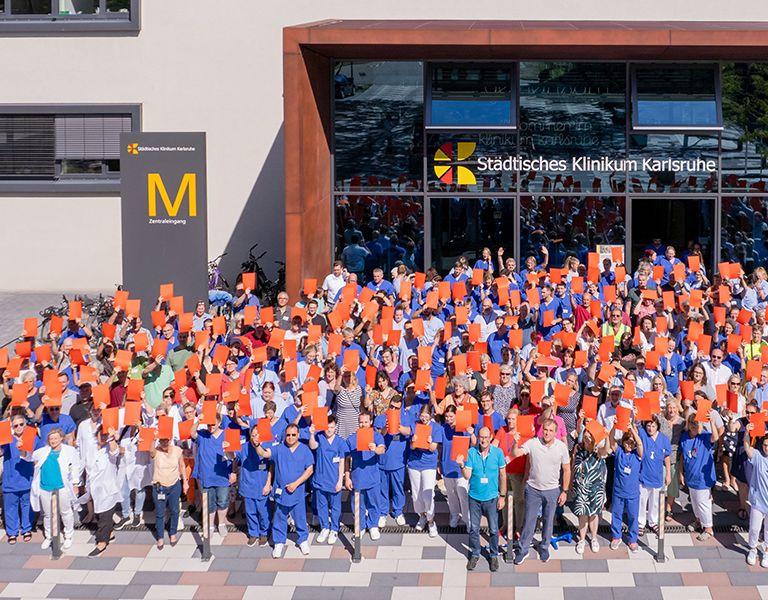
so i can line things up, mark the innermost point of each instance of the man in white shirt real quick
(716, 372)
(333, 282)
(486, 319)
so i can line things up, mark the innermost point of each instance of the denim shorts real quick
(218, 498)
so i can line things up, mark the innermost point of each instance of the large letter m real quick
(188, 185)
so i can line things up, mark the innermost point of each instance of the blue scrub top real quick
(212, 467)
(422, 460)
(65, 423)
(365, 464)
(652, 465)
(448, 466)
(327, 458)
(253, 470)
(626, 476)
(17, 472)
(397, 445)
(698, 463)
(289, 466)
(289, 416)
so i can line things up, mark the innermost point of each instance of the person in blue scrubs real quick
(392, 464)
(362, 474)
(456, 487)
(422, 470)
(626, 485)
(698, 470)
(17, 483)
(655, 473)
(330, 451)
(293, 464)
(53, 418)
(255, 486)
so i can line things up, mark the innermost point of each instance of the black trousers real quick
(104, 525)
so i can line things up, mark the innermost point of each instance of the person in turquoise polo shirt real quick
(485, 469)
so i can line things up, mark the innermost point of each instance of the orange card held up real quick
(249, 281)
(758, 421)
(623, 416)
(232, 437)
(209, 412)
(28, 438)
(393, 421)
(5, 433)
(364, 438)
(110, 419)
(264, 427)
(165, 428)
(459, 446)
(132, 414)
(597, 431)
(146, 438)
(185, 429)
(589, 406)
(463, 420)
(320, 418)
(422, 435)
(526, 425)
(703, 408)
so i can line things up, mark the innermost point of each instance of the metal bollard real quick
(356, 553)
(509, 555)
(205, 550)
(55, 527)
(660, 556)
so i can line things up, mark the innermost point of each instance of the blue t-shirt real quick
(289, 466)
(495, 344)
(65, 423)
(758, 484)
(484, 482)
(327, 458)
(497, 421)
(652, 465)
(676, 366)
(422, 460)
(448, 466)
(395, 455)
(212, 467)
(626, 476)
(50, 472)
(698, 462)
(253, 470)
(365, 463)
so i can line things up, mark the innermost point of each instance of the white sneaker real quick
(594, 545)
(222, 530)
(67, 543)
(382, 522)
(332, 537)
(46, 544)
(304, 547)
(432, 529)
(454, 522)
(322, 536)
(374, 533)
(277, 552)
(400, 520)
(180, 525)
(580, 546)
(764, 561)
(422, 522)
(752, 557)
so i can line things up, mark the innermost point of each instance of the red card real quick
(158, 318)
(463, 419)
(753, 369)
(351, 361)
(159, 348)
(249, 281)
(493, 373)
(393, 421)
(141, 342)
(43, 353)
(459, 446)
(642, 409)
(5, 433)
(652, 360)
(56, 324)
(110, 419)
(623, 415)
(19, 394)
(232, 437)
(320, 418)
(758, 421)
(28, 439)
(423, 380)
(213, 384)
(364, 438)
(597, 431)
(133, 308)
(30, 327)
(422, 435)
(441, 383)
(185, 429)
(165, 428)
(146, 438)
(562, 394)
(694, 262)
(526, 425)
(210, 407)
(75, 310)
(687, 389)
(264, 428)
(703, 408)
(186, 322)
(135, 389)
(537, 391)
(589, 405)
(132, 414)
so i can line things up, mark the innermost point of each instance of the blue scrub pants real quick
(15, 505)
(391, 491)
(280, 522)
(257, 516)
(618, 507)
(369, 507)
(328, 509)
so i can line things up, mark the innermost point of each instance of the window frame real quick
(56, 23)
(73, 183)
(635, 126)
(511, 66)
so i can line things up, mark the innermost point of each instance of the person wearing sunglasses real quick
(293, 466)
(53, 418)
(17, 483)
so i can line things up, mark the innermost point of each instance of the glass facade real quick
(565, 156)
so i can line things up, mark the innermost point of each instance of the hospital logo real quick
(133, 148)
(447, 167)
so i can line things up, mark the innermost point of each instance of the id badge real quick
(161, 495)
(484, 480)
(263, 467)
(507, 459)
(627, 470)
(336, 459)
(278, 491)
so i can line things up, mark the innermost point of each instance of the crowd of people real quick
(593, 386)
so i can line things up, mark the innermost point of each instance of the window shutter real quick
(90, 137)
(27, 146)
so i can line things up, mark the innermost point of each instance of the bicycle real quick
(216, 280)
(266, 289)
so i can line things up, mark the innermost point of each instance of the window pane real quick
(464, 95)
(78, 7)
(571, 112)
(453, 162)
(378, 126)
(464, 226)
(569, 226)
(379, 231)
(72, 167)
(27, 146)
(680, 95)
(689, 174)
(31, 7)
(745, 231)
(113, 165)
(119, 6)
(745, 127)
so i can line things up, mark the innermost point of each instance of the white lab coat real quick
(86, 440)
(134, 466)
(102, 479)
(71, 474)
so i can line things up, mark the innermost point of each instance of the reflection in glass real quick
(81, 167)
(122, 6)
(31, 7)
(569, 225)
(472, 95)
(685, 223)
(378, 125)
(675, 95)
(464, 226)
(379, 231)
(78, 7)
(672, 146)
(745, 231)
(745, 127)
(446, 162)
(571, 110)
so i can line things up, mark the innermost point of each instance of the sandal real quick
(641, 532)
(27, 537)
(742, 514)
(668, 516)
(12, 539)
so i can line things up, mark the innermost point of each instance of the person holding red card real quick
(422, 467)
(17, 483)
(456, 487)
(393, 425)
(328, 479)
(626, 483)
(169, 481)
(102, 486)
(362, 472)
(698, 471)
(758, 491)
(57, 467)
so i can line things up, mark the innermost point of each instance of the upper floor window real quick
(676, 97)
(467, 95)
(69, 15)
